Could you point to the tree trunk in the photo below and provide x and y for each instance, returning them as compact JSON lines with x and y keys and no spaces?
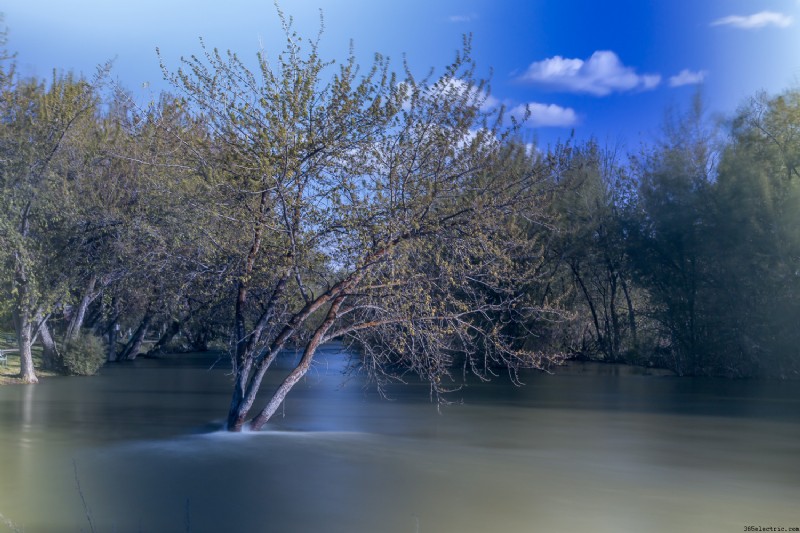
{"x":631,"y":316}
{"x":300,"y":370}
{"x":24,"y":327}
{"x":246,"y":386}
{"x":112,"y":342}
{"x":74,"y":328}
{"x":22,"y":313}
{"x":51,"y":358}
{"x":237,"y":412}
{"x":112,"y":332}
{"x":198,"y":340}
{"x":245,"y":390}
{"x":169,"y":334}
{"x":94,"y":319}
{"x":598,"y":330}
{"x":615,"y":327}
{"x":134,"y":345}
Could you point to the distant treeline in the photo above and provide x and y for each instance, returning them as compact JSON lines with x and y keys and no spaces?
{"x":395,"y":215}
{"x":686,"y":255}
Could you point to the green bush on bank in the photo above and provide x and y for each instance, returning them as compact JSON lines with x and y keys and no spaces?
{"x":84,"y":356}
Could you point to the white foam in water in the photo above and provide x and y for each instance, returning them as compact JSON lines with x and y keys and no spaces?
{"x":194,"y":442}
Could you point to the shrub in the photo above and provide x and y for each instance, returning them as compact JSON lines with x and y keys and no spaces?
{"x":84,"y":356}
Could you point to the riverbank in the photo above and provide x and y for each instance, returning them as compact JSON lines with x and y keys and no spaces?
{"x":9,"y":371}
{"x":594,"y":367}
{"x":10,"y":376}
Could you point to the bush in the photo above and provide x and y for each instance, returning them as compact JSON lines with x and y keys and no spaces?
{"x":84,"y":356}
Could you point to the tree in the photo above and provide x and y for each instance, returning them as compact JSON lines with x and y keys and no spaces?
{"x":38,"y":122}
{"x":355,"y":206}
{"x":153,"y":259}
{"x":589,"y":245}
{"x":669,"y":233}
{"x":757,"y":238}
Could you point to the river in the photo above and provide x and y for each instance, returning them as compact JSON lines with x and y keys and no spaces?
{"x":592,"y":448}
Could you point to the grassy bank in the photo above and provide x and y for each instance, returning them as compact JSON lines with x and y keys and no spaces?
{"x":9,"y":371}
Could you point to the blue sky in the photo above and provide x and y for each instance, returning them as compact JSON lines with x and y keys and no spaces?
{"x":607,"y":69}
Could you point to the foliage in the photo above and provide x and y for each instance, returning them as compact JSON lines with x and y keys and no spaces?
{"x":350,"y":205}
{"x":758,"y":238}
{"x":669,"y":233}
{"x":303,"y":201}
{"x":39,"y":122}
{"x":588,"y":250}
{"x":84,"y":355}
{"x":717,"y":247}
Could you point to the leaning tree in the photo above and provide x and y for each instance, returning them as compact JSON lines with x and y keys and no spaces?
{"x":39,"y":122}
{"x":355,"y":205}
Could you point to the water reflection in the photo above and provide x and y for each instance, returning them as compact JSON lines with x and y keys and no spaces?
{"x":585,"y":450}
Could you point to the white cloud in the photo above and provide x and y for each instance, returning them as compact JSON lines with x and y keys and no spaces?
{"x":459,"y":87}
{"x":600,"y":75}
{"x":687,"y":77}
{"x":463,"y":18}
{"x":455,"y":88}
{"x":544,"y":115}
{"x":532,"y":149}
{"x":758,"y":20}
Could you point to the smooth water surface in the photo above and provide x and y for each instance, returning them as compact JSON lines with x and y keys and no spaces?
{"x":591,"y":448}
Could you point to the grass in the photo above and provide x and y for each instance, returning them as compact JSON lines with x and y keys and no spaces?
{"x":10,"y":371}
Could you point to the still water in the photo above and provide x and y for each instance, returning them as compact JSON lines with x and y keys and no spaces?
{"x":592,"y":448}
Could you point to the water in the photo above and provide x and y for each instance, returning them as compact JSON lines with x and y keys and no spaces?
{"x":590,"y":449}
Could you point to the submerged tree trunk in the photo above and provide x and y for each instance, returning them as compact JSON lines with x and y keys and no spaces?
{"x":172,"y":330}
{"x":250,"y":370}
{"x":301,"y":368}
{"x":134,"y":345}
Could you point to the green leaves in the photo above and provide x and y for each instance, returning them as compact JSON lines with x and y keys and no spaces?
{"x":717,"y":246}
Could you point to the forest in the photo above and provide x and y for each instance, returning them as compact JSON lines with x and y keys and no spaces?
{"x":255,"y":209}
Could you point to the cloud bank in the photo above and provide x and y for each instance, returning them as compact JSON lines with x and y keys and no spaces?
{"x":460,"y":88}
{"x":545,"y":115}
{"x":687,"y":77}
{"x":463,"y":18}
{"x":755,"y":21}
{"x":602,"y":74}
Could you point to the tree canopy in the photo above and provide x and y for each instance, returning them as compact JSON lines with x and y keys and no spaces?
{"x":299,"y":201}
